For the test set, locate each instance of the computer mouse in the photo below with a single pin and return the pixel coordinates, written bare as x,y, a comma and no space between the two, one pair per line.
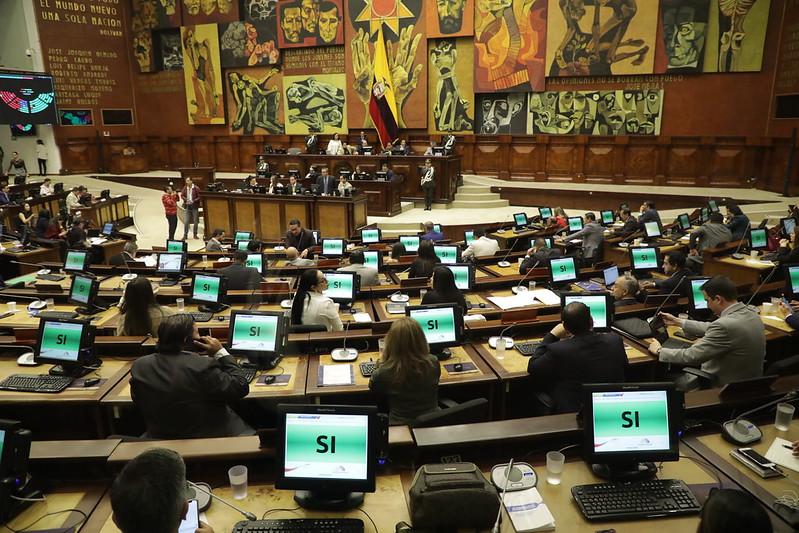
26,359
91,382
269,379
458,367
482,304
221,318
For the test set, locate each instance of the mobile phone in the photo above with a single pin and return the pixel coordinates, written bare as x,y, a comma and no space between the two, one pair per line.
192,520
756,457
786,302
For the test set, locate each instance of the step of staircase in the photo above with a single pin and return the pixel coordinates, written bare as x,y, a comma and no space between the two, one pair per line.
476,196
479,204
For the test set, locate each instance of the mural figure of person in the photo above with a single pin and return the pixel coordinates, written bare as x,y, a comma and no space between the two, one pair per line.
319,104
449,108
206,99
208,6
225,6
329,22
310,17
192,7
290,22
450,15
684,30
256,104
499,110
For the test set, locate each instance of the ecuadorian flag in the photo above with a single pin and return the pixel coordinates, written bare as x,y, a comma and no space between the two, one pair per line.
382,106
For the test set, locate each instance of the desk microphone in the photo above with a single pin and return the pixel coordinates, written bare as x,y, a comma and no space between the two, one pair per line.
344,353
736,255
288,303
495,529
493,341
669,295
770,275
504,263
41,272
36,303
743,432
501,230
520,288
130,275
248,515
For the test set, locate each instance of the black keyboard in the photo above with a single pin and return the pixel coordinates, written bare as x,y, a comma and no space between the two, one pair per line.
168,282
367,368
201,317
35,383
675,344
635,500
50,277
300,525
527,348
249,373
57,315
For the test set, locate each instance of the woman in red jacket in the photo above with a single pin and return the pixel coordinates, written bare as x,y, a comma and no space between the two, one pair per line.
170,201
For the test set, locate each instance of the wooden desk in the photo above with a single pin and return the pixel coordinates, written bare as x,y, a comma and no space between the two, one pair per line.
116,209
741,272
128,164
24,319
201,176
34,257
83,496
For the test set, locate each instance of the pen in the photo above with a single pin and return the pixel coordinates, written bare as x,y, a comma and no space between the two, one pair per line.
787,446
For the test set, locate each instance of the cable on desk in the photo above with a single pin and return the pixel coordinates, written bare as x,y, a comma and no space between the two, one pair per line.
789,498
570,446
43,498
369,517
293,510
84,516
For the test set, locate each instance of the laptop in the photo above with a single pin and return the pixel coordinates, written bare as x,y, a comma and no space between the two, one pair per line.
661,334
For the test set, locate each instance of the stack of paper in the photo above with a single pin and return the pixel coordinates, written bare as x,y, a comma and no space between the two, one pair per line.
527,511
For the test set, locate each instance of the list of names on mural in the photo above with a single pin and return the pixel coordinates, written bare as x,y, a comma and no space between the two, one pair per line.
105,14
788,71
81,76
163,82
328,60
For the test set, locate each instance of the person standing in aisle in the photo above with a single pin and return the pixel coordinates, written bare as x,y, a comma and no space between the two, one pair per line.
170,201
428,184
41,157
191,203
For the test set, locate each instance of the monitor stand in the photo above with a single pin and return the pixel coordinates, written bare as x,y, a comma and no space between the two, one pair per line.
212,308
89,310
76,371
442,354
624,472
328,501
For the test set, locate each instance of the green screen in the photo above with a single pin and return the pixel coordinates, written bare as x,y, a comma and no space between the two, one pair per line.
461,274
575,224
438,324
81,288
61,341
699,296
597,305
339,286
793,276
370,258
759,239
545,212
326,446
255,261
206,288
616,416
652,229
254,333
563,269
411,243
468,236
644,258
242,245
242,236
447,254
75,261
174,246
370,235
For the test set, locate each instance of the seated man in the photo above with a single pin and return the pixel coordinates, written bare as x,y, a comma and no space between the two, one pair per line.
128,253
215,244
293,258
5,195
369,276
538,255
300,238
239,276
625,291
674,268
76,236
390,174
630,226
791,313
648,213
592,236
481,245
573,354
183,394
731,348
151,494
711,234
430,233
294,186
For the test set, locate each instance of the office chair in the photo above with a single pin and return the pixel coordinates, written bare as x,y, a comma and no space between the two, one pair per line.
784,367
454,413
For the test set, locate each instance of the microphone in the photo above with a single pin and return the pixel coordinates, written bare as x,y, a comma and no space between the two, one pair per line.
288,303
667,297
742,431
770,275
344,353
130,275
495,529
41,272
504,263
248,515
501,230
519,288
36,303
493,341
736,255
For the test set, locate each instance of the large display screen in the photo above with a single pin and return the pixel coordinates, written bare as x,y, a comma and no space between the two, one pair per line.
27,99
630,421
61,341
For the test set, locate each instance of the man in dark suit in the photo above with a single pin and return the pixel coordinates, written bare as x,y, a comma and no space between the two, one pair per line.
239,276
294,186
539,255
128,253
5,195
625,291
183,394
592,236
300,238
631,224
649,213
674,268
390,174
325,184
572,354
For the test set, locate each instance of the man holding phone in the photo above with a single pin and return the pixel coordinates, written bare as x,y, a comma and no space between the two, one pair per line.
151,495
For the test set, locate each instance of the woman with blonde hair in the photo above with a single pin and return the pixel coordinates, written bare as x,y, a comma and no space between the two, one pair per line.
560,217
406,374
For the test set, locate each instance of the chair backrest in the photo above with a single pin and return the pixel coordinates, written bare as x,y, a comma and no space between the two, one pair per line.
306,328
784,367
472,411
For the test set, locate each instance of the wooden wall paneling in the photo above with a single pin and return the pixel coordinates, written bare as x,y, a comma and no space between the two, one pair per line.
247,148
157,152
522,158
180,154
540,157
487,156
682,161
560,159
359,212
772,172
202,149
80,156
640,162
226,153
300,210
728,162
272,223
216,210
466,148
594,161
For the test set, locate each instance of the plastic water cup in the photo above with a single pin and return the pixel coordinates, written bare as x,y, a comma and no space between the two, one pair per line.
50,304
782,420
238,481
767,308
422,292
501,346
521,260
205,259
555,463
316,257
753,254
12,307
531,285
181,304
381,342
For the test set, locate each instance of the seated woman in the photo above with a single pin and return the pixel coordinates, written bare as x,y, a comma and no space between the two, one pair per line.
311,306
139,313
425,262
56,229
406,374
444,289
275,187
42,223
25,217
560,217
397,251
788,253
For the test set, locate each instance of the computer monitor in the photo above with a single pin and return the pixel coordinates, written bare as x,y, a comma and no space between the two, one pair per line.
652,229
255,261
105,193
437,228
242,236
381,175
9,437
342,287
696,296
792,281
562,270
600,304
575,224
611,274
242,244
550,242
373,259
83,292
66,344
607,217
294,172
58,187
176,246
317,236
108,228
449,254
85,200
684,221
367,150
210,291
332,247
704,215
629,426
468,236
345,173
411,242
788,225
327,454
170,265
260,336
713,206
758,239
545,212
371,235
520,220
643,259
438,150
464,276
76,261
442,325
